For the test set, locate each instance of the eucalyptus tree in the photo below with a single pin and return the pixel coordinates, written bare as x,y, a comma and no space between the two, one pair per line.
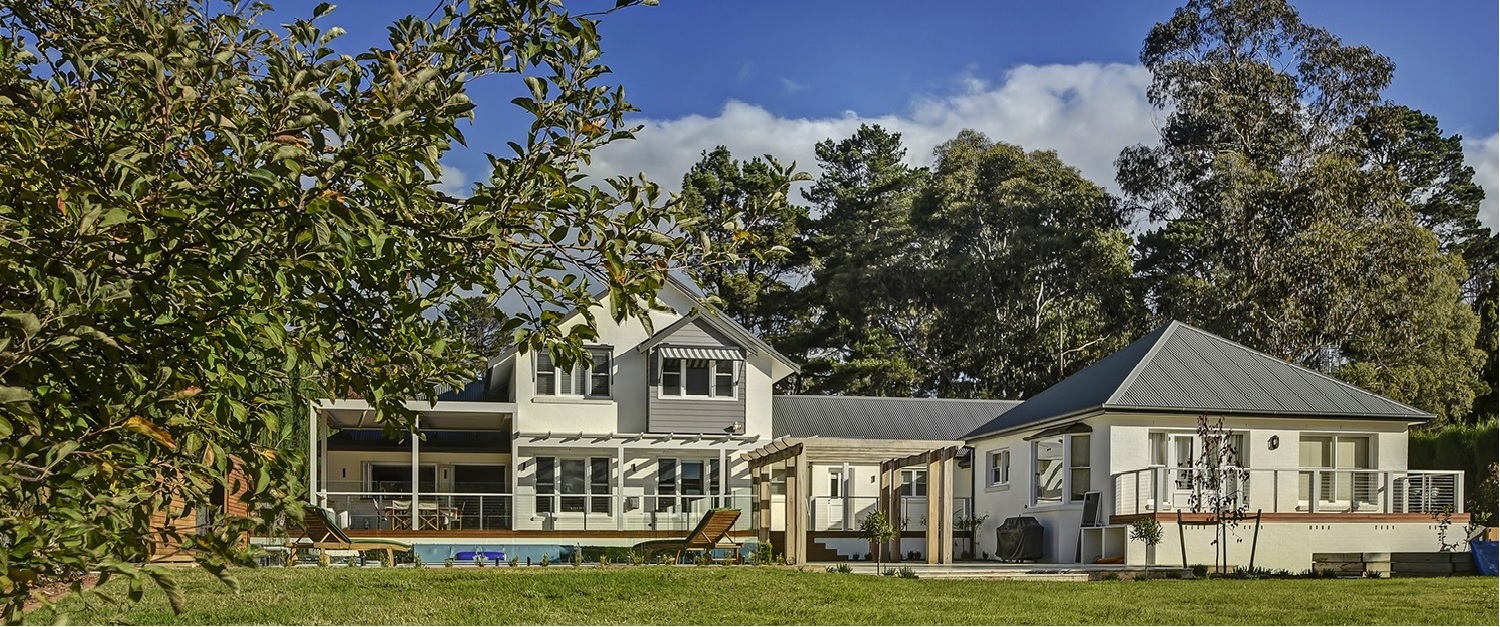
205,222
1299,213
1030,275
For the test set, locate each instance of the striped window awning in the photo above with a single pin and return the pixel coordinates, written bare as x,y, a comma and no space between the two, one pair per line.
701,352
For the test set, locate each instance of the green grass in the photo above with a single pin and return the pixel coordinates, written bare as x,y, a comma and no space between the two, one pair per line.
751,596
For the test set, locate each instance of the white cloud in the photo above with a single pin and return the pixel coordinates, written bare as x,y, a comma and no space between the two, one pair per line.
791,86
1086,112
1484,156
454,182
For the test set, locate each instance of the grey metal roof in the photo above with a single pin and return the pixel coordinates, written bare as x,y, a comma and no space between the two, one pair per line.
880,417
1181,368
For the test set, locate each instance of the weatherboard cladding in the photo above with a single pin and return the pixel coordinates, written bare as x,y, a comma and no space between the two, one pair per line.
1181,368
694,415
880,417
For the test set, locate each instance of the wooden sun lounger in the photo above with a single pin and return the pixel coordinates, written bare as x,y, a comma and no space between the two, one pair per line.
319,531
711,533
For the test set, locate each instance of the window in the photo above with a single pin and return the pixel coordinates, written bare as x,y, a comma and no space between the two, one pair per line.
578,485
836,482
1078,467
546,483
1000,467
681,483
1336,461
914,483
724,379
1047,466
708,378
1060,470
589,381
397,478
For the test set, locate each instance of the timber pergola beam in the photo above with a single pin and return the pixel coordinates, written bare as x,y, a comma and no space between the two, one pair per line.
797,455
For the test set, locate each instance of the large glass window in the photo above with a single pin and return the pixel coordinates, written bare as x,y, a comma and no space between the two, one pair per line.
546,483
708,378
681,483
590,381
397,478
580,485
1339,460
573,485
1047,470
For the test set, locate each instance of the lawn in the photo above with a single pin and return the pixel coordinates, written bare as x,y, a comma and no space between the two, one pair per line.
751,596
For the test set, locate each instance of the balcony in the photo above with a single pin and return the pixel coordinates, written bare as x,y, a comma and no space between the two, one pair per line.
1287,490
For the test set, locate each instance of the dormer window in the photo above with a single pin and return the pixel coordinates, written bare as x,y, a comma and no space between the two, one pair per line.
581,381
700,373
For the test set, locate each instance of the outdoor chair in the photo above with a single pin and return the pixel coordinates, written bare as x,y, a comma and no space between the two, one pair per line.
711,533
321,532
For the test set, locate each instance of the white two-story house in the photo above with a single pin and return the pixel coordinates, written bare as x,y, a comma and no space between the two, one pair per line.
532,456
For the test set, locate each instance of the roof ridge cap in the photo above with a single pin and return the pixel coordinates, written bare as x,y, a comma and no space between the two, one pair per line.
1168,330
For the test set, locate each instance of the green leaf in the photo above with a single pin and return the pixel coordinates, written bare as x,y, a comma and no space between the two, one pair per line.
322,9
11,394
27,321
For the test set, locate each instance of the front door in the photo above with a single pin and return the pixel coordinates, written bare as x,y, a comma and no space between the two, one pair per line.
1182,458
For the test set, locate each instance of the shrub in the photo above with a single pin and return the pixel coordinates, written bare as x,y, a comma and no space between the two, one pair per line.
1142,576
545,559
577,557
1109,577
842,567
1467,447
905,572
1200,570
448,563
515,561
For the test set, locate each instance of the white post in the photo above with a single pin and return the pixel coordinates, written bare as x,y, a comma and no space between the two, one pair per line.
620,488
1458,492
844,491
415,477
312,453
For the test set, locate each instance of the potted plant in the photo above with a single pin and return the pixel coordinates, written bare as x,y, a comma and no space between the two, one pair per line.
877,528
1147,530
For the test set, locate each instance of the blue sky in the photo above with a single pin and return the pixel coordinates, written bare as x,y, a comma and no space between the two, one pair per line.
776,76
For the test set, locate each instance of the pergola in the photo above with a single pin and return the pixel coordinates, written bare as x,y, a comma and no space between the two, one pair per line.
797,455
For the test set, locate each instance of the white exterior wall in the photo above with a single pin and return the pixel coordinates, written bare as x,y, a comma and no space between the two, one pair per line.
1120,442
625,411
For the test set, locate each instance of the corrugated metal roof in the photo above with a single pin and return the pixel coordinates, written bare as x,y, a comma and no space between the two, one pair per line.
1181,368
881,417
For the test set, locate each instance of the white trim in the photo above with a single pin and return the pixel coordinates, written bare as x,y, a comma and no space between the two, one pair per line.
989,467
713,375
1067,470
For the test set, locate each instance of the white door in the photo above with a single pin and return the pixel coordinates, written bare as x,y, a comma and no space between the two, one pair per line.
1182,458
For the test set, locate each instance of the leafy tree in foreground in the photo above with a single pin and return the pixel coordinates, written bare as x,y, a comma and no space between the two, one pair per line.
194,209
1299,213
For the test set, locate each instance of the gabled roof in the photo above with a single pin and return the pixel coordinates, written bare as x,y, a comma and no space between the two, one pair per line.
1179,368
886,418
782,367
722,323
